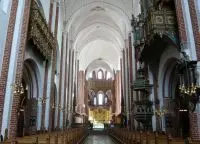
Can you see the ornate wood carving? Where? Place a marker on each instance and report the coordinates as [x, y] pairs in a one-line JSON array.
[[160, 22], [100, 85], [40, 33]]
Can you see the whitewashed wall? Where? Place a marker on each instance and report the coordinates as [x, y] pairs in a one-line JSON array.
[[5, 7]]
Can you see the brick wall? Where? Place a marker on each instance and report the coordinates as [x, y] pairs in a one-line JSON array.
[[194, 18], [195, 117], [6, 56], [16, 97], [180, 21], [50, 14], [195, 126]]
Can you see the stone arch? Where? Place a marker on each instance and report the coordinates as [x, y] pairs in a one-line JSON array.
[[100, 74], [169, 73], [27, 109], [169, 92], [168, 56], [31, 74], [100, 92]]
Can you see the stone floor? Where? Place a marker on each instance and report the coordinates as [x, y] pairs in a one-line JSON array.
[[98, 139]]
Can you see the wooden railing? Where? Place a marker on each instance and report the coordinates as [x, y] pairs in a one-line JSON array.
[[69, 136], [124, 136]]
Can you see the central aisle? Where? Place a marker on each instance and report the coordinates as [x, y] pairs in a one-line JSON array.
[[98, 139]]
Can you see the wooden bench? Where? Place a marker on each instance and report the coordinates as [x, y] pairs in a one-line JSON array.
[[69, 136], [129, 137]]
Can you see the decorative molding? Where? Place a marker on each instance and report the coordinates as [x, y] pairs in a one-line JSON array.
[[40, 33], [160, 22], [98, 9], [100, 85]]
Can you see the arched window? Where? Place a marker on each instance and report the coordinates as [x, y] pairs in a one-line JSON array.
[[95, 101], [100, 74], [93, 74], [106, 100], [100, 99], [108, 75], [90, 75]]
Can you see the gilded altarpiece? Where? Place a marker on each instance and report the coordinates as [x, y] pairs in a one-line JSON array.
[[101, 113]]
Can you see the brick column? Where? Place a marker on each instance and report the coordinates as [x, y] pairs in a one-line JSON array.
[[195, 117], [6, 56], [180, 21], [195, 25], [195, 130], [19, 68], [195, 125], [56, 20], [50, 15]]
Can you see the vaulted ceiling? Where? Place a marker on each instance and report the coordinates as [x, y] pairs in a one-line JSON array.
[[98, 29]]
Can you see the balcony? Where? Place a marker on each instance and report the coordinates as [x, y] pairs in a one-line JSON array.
[[160, 22], [40, 33], [160, 30]]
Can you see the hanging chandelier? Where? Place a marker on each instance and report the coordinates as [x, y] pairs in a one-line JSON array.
[[189, 87], [189, 90]]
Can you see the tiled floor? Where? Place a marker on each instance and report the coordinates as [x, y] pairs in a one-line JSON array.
[[98, 139]]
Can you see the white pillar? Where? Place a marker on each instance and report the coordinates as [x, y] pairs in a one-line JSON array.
[[152, 99], [62, 78], [70, 86], [4, 19], [39, 104], [47, 106], [190, 46]]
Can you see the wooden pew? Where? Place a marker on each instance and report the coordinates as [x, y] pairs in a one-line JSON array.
[[151, 138], [69, 136], [161, 138], [129, 137]]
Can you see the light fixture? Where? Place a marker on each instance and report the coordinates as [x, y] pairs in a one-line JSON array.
[[189, 88], [161, 112], [53, 106], [61, 108], [18, 89]]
